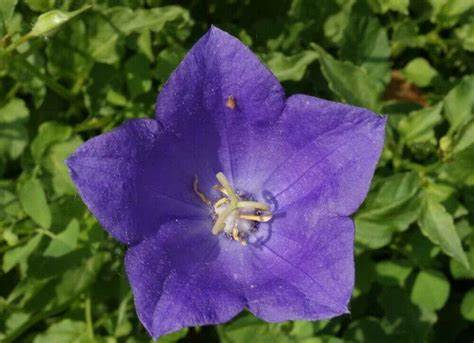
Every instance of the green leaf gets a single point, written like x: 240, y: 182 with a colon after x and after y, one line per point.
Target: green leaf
x: 365, y: 330
x: 418, y: 126
x: 167, y: 61
x: 6, y: 12
x: 20, y: 254
x: 10, y: 207
x: 155, y: 19
x: 458, y: 167
x: 137, y: 71
x: 408, y: 322
x: 335, y: 24
x: 53, y: 163
x: 48, y: 134
x: 465, y: 34
x: 430, y: 290
x: 420, y: 72
x: 312, y: 16
x: 437, y: 224
x: 349, y: 82
x: 419, y: 249
x: 104, y: 42
x: 458, y: 271
x: 65, y: 330
x: 33, y: 200
x: 40, y: 5
x: 47, y: 23
x: 13, y: 134
x: 365, y: 43
x: 64, y: 242
x: 459, y: 103
x: 247, y: 327
x: 365, y: 267
x: 290, y: 68
x: 383, y: 6
x: 392, y: 205
x: 67, y: 53
x: 448, y: 12
x: 467, y: 305
x: 392, y: 273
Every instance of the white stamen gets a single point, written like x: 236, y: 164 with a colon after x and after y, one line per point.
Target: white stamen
x: 234, y: 216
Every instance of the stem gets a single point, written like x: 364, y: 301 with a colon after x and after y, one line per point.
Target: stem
x: 51, y: 83
x: 19, y: 42
x: 88, y: 316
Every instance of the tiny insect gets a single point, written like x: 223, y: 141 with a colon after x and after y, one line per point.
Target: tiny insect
x: 230, y: 102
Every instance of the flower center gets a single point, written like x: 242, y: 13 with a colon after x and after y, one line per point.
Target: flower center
x: 233, y: 214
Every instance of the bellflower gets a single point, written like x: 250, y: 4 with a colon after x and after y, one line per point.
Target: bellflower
x: 234, y: 197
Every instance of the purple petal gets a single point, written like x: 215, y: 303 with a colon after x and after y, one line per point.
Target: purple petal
x: 194, y: 102
x: 334, y: 151
x: 131, y: 180
x: 306, y: 272
x: 179, y: 279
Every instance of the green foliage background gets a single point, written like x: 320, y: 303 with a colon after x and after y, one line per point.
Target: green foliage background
x: 78, y: 71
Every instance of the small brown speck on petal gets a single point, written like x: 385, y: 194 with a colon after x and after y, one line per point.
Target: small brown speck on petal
x: 230, y: 102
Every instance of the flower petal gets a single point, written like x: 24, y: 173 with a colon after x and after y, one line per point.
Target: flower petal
x: 220, y: 94
x: 131, y: 180
x: 306, y: 273
x: 334, y: 151
x: 178, y: 279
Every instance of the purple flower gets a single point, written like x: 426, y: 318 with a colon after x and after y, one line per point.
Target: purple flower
x: 234, y: 196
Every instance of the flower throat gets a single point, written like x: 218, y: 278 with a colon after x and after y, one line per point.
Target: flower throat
x: 233, y: 215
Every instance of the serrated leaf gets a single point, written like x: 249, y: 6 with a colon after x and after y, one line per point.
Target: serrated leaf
x: 437, y: 224
x: 6, y: 12
x: 365, y: 43
x: 65, y: 241
x: 33, y: 200
x: 459, y: 103
x: 20, y: 254
x: 291, y: 68
x: 392, y: 205
x: 458, y: 271
x: 418, y: 126
x: 430, y: 290
x: 458, y: 167
x: 448, y: 12
x: 154, y: 19
x: 349, y: 82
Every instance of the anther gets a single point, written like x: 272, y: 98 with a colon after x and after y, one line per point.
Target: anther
x: 233, y: 216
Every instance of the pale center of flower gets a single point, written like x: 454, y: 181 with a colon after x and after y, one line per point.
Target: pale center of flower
x: 233, y: 215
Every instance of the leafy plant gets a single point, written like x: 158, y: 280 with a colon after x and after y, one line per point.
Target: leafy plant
x: 71, y: 70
